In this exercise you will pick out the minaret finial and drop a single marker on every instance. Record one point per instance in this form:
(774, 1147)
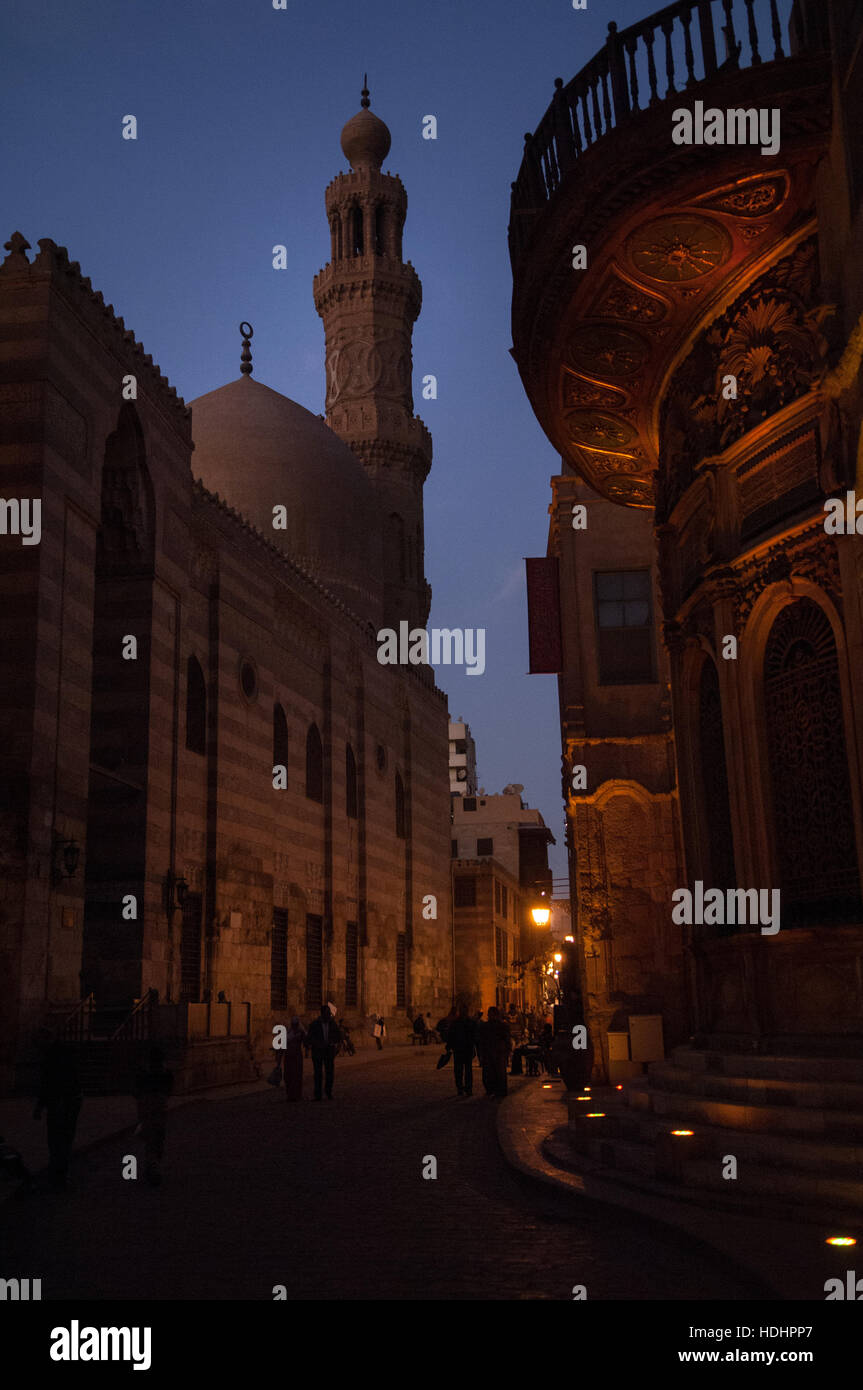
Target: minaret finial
(248, 333)
(365, 103)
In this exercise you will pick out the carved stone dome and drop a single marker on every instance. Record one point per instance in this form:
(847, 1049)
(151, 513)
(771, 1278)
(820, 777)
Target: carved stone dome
(366, 140)
(257, 449)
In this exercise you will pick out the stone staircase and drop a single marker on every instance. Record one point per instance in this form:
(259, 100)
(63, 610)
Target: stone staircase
(793, 1124)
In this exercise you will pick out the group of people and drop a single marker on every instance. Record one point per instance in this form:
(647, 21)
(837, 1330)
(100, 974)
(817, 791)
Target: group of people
(321, 1040)
(491, 1041)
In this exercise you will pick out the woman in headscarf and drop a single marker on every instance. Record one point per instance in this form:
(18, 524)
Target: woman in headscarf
(293, 1064)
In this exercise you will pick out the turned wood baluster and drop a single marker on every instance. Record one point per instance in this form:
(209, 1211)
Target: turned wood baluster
(753, 33)
(651, 66)
(777, 30)
(597, 118)
(732, 47)
(667, 26)
(631, 43)
(686, 19)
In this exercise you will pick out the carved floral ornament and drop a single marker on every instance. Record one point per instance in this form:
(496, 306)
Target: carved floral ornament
(678, 248)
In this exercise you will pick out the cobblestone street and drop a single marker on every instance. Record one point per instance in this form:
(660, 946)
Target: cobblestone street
(329, 1200)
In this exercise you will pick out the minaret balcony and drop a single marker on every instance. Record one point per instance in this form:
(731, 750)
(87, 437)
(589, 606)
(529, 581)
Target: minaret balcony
(662, 179)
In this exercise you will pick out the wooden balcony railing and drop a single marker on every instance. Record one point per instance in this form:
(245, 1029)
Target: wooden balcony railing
(668, 54)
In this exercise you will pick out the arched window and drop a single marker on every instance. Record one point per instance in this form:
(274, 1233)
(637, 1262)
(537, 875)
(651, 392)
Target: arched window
(314, 765)
(380, 230)
(196, 707)
(335, 237)
(812, 814)
(352, 800)
(718, 861)
(356, 230)
(280, 739)
(401, 816)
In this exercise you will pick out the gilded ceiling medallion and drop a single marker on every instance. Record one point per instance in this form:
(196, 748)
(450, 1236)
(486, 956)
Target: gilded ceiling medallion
(578, 391)
(635, 491)
(678, 248)
(622, 300)
(593, 428)
(600, 464)
(752, 197)
(605, 350)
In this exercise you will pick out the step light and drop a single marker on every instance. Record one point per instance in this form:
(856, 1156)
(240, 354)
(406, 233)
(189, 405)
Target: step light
(840, 1240)
(681, 1132)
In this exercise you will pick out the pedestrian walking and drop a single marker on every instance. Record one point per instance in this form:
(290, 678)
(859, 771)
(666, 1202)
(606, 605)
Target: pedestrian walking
(292, 1063)
(152, 1089)
(461, 1042)
(496, 1043)
(60, 1096)
(379, 1031)
(322, 1039)
(420, 1029)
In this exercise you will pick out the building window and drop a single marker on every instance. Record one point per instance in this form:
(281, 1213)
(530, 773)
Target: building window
(248, 680)
(314, 765)
(401, 815)
(718, 851)
(503, 900)
(314, 962)
(356, 230)
(196, 708)
(484, 847)
(459, 746)
(401, 970)
(469, 803)
(352, 800)
(624, 627)
(464, 891)
(279, 960)
(497, 897)
(453, 848)
(808, 758)
(280, 740)
(351, 959)
(380, 230)
(501, 948)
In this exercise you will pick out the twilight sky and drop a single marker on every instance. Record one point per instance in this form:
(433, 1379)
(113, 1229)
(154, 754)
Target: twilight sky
(239, 110)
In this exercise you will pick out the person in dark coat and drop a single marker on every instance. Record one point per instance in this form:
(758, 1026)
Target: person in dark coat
(461, 1042)
(323, 1039)
(60, 1096)
(420, 1028)
(496, 1043)
(152, 1089)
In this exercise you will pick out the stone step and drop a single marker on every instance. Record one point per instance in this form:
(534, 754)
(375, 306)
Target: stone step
(758, 1187)
(777, 1067)
(835, 1157)
(752, 1090)
(840, 1125)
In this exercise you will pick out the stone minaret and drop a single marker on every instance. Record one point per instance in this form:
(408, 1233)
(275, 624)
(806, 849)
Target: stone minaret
(369, 298)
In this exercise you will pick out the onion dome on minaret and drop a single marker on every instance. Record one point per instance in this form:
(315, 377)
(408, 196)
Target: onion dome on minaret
(366, 139)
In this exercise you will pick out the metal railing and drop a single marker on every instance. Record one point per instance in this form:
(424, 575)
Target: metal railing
(670, 52)
(78, 1025)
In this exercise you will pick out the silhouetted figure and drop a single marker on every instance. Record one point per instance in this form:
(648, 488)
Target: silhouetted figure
(420, 1029)
(495, 1042)
(60, 1096)
(152, 1089)
(292, 1065)
(461, 1042)
(322, 1039)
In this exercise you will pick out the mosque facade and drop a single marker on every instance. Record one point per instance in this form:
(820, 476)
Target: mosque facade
(212, 789)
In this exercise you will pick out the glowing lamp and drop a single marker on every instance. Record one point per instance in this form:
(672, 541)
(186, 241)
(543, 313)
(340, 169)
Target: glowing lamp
(683, 1131)
(557, 958)
(840, 1240)
(569, 938)
(596, 1115)
(541, 916)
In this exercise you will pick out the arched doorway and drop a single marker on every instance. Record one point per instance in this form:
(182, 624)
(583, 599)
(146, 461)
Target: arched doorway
(812, 809)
